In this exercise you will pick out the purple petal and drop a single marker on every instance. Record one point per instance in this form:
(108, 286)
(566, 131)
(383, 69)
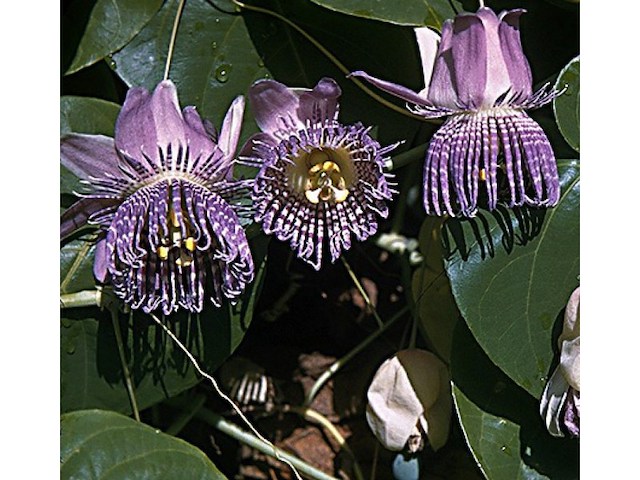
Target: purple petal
(441, 88)
(149, 122)
(274, 106)
(89, 155)
(516, 62)
(469, 52)
(101, 261)
(497, 81)
(230, 132)
(321, 103)
(79, 213)
(428, 42)
(392, 88)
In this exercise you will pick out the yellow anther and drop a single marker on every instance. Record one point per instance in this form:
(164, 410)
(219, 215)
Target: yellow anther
(190, 244)
(163, 252)
(483, 175)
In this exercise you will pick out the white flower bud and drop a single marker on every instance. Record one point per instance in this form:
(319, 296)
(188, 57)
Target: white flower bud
(409, 397)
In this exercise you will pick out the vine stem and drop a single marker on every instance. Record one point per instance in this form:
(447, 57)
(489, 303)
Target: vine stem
(362, 291)
(276, 452)
(172, 40)
(334, 60)
(338, 364)
(231, 429)
(125, 369)
(481, 2)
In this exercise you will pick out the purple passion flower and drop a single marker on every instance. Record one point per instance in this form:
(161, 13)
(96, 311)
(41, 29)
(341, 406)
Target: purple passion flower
(319, 181)
(476, 74)
(560, 403)
(161, 190)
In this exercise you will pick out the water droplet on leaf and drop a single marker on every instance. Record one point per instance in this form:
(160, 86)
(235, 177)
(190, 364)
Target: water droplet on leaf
(214, 45)
(222, 73)
(260, 63)
(111, 62)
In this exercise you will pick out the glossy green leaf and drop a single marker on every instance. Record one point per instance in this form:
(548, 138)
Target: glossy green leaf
(90, 369)
(401, 12)
(567, 106)
(512, 272)
(111, 25)
(501, 421)
(435, 304)
(87, 115)
(96, 444)
(213, 62)
(76, 266)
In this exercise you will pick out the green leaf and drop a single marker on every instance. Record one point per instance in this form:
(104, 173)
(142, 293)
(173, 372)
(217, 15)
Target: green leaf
(90, 369)
(213, 62)
(76, 266)
(111, 25)
(436, 306)
(501, 421)
(96, 444)
(416, 13)
(87, 115)
(567, 106)
(83, 115)
(512, 272)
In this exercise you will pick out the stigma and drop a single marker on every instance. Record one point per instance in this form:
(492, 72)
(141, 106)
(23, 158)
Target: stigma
(325, 180)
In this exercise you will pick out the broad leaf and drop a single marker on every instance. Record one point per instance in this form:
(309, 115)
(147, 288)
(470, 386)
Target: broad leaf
(76, 266)
(213, 62)
(431, 13)
(91, 374)
(512, 272)
(96, 444)
(87, 115)
(435, 304)
(111, 25)
(567, 106)
(501, 421)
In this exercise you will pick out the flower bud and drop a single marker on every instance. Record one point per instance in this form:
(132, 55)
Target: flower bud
(409, 401)
(560, 403)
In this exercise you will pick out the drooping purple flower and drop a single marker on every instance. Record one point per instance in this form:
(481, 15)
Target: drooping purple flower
(320, 181)
(163, 191)
(477, 75)
(560, 402)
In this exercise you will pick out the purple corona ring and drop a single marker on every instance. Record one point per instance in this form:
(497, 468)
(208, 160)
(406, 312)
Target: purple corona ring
(320, 181)
(476, 74)
(163, 191)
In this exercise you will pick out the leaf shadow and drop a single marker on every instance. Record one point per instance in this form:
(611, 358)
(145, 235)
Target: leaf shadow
(493, 392)
(480, 235)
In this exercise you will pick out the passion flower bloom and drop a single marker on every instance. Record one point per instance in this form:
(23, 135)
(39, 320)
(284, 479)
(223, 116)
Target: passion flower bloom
(320, 181)
(560, 403)
(409, 402)
(162, 190)
(478, 77)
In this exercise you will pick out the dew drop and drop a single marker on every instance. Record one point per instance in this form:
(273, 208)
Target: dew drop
(70, 348)
(217, 20)
(222, 73)
(260, 63)
(111, 62)
(214, 45)
(505, 449)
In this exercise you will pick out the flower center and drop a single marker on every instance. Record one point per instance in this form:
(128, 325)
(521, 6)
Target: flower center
(324, 175)
(184, 246)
